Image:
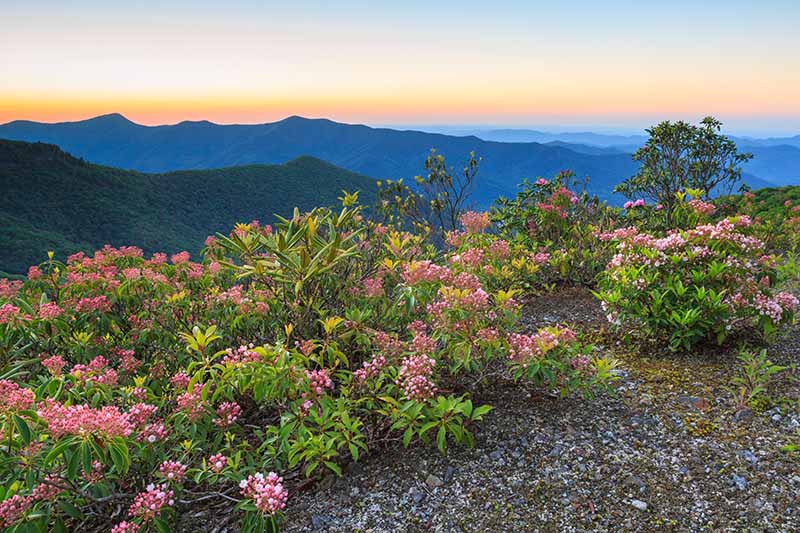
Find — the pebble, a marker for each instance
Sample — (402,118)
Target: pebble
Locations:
(433,481)
(748,456)
(739,481)
(639,504)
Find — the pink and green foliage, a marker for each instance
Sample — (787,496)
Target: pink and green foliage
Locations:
(551,221)
(696,285)
(147,384)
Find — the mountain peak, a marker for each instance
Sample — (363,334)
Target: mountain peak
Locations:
(111,118)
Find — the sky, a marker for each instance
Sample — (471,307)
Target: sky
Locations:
(613,65)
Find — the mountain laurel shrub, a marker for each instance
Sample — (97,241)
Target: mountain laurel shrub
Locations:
(149,385)
(692,286)
(558,225)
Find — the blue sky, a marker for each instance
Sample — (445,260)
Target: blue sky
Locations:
(609,64)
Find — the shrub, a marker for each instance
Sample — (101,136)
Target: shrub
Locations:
(679,156)
(548,218)
(155,383)
(693,286)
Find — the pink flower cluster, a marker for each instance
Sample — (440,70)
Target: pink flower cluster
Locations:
(54,364)
(180,257)
(227,414)
(415,377)
(49,311)
(425,271)
(140,413)
(82,420)
(180,381)
(125,527)
(524,348)
(774,308)
(267,492)
(499,249)
(98,303)
(701,207)
(153,432)
(98,371)
(319,380)
(636,203)
(217,463)
(373,287)
(12,509)
(191,403)
(471,258)
(475,222)
(8,288)
(14,398)
(370,369)
(172,471)
(48,489)
(10,313)
(148,504)
(241,355)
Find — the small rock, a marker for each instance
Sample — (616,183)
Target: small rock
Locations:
(355,491)
(636,482)
(416,495)
(639,504)
(694,402)
(319,521)
(433,481)
(776,418)
(748,456)
(496,455)
(449,473)
(742,415)
(556,451)
(739,482)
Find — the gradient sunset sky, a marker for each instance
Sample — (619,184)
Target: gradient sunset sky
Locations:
(518,63)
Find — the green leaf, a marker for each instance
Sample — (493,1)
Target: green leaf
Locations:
(441,439)
(23,428)
(333,466)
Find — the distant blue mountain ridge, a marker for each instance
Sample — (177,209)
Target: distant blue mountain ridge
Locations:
(509,156)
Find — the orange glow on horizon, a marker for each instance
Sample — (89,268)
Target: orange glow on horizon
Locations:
(432,106)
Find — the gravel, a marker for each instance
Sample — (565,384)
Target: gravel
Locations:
(668,451)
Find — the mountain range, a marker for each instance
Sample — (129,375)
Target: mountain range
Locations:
(54,201)
(380,153)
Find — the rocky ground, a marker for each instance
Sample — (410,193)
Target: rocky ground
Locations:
(668,451)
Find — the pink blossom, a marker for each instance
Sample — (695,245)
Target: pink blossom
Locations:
(54,364)
(125,527)
(153,432)
(140,413)
(84,420)
(475,222)
(319,380)
(180,380)
(373,287)
(15,398)
(98,303)
(12,509)
(191,403)
(148,504)
(217,463)
(34,273)
(180,257)
(172,471)
(227,414)
(415,377)
(48,489)
(267,492)
(369,369)
(49,311)
(10,313)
